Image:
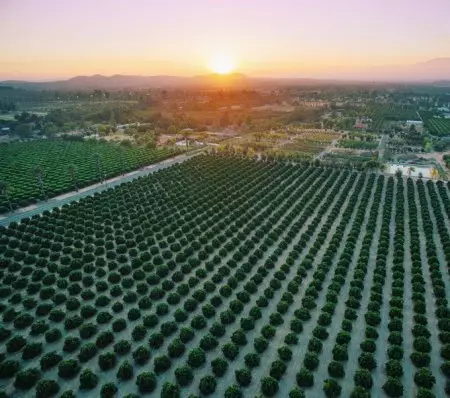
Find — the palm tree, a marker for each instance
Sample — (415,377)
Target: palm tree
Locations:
(73,172)
(185,133)
(4,188)
(434,173)
(98,163)
(122,162)
(411,170)
(39,174)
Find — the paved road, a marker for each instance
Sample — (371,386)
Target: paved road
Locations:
(61,200)
(382,147)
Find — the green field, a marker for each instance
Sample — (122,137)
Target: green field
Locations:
(38,169)
(436,125)
(358,144)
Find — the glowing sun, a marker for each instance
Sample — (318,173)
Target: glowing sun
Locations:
(222,64)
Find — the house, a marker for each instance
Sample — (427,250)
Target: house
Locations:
(417,123)
(360,125)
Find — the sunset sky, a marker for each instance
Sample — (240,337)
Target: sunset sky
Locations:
(48,39)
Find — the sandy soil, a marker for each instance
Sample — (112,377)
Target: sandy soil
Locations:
(288,381)
(359,324)
(271,353)
(169,375)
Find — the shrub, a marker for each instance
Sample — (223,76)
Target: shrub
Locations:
(186,335)
(217,330)
(269,386)
(425,393)
(107,361)
(122,347)
(336,369)
(156,340)
(421,344)
(15,344)
(394,368)
(291,339)
(296,393)
(8,368)
(285,353)
(88,379)
(331,388)
(146,382)
(176,348)
(198,322)
(26,379)
(393,387)
(71,344)
(260,344)
(311,361)
(196,358)
(161,364)
(170,390)
(252,360)
(277,369)
(304,378)
(233,391)
(68,369)
(46,388)
(104,339)
(243,377)
(230,351)
(88,330)
(125,371)
(424,378)
(367,361)
(395,352)
(207,385)
(87,352)
(168,328)
(50,360)
(363,378)
(360,392)
(184,375)
(141,355)
(31,350)
(315,345)
(119,325)
(53,335)
(219,366)
(108,390)
(445,369)
(68,394)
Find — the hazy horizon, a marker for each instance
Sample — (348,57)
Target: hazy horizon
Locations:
(52,40)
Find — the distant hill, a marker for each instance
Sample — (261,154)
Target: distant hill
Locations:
(117,82)
(436,70)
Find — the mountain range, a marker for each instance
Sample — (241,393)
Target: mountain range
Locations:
(436,70)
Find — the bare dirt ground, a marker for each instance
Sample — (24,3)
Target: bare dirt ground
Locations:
(438,157)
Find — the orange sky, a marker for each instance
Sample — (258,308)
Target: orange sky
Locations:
(50,39)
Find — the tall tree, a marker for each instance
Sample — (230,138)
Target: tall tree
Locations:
(39,174)
(73,175)
(4,191)
(98,164)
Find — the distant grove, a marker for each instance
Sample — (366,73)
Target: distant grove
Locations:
(36,170)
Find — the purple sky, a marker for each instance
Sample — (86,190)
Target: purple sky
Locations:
(60,38)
